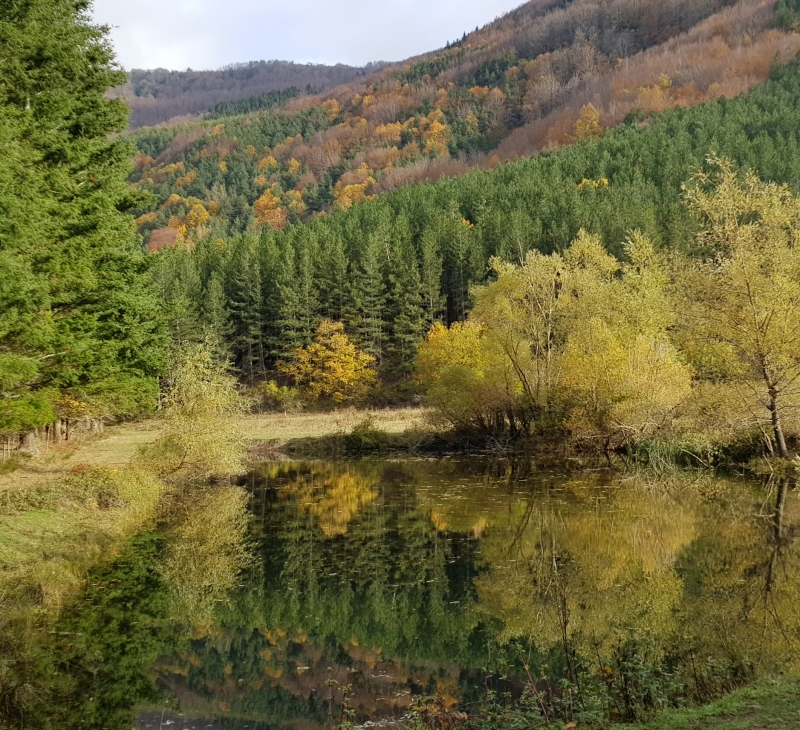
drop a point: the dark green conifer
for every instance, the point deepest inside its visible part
(76, 314)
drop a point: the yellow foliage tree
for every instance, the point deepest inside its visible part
(573, 341)
(332, 109)
(331, 367)
(269, 211)
(588, 124)
(471, 386)
(202, 411)
(749, 288)
(197, 216)
(268, 163)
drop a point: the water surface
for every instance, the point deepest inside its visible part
(382, 580)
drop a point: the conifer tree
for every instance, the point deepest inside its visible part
(295, 298)
(368, 295)
(216, 318)
(78, 317)
(177, 281)
(433, 302)
(246, 305)
(332, 275)
(406, 316)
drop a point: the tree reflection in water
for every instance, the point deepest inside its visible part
(412, 577)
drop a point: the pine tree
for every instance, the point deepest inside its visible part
(405, 313)
(296, 301)
(332, 277)
(433, 302)
(463, 262)
(177, 281)
(216, 318)
(368, 295)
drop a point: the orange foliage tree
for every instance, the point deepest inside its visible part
(268, 211)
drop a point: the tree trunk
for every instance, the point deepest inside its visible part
(28, 445)
(780, 439)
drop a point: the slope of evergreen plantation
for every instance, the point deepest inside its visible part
(390, 267)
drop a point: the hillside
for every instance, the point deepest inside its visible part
(391, 267)
(159, 95)
(541, 77)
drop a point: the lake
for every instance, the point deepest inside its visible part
(320, 592)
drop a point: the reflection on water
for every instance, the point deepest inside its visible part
(395, 579)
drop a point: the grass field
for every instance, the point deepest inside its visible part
(280, 427)
(115, 447)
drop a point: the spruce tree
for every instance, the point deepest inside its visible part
(216, 319)
(76, 315)
(406, 316)
(368, 295)
(246, 305)
(177, 282)
(431, 267)
(332, 275)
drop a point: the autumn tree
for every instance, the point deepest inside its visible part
(588, 124)
(331, 367)
(748, 288)
(202, 410)
(574, 342)
(471, 385)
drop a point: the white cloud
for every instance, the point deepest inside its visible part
(201, 34)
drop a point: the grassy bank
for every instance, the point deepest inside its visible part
(768, 706)
(67, 508)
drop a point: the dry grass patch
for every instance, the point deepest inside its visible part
(280, 427)
(112, 449)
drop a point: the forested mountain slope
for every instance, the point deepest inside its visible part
(390, 267)
(159, 95)
(545, 75)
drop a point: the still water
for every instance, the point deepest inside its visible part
(382, 580)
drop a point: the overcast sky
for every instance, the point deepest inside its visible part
(207, 34)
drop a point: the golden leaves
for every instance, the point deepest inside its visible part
(588, 124)
(331, 367)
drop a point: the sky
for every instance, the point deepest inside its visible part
(207, 34)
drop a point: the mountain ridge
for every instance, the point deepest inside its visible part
(157, 96)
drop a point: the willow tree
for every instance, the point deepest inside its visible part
(203, 435)
(76, 316)
(749, 288)
(575, 341)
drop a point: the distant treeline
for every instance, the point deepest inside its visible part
(390, 267)
(158, 95)
(258, 103)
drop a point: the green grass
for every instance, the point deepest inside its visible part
(768, 706)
